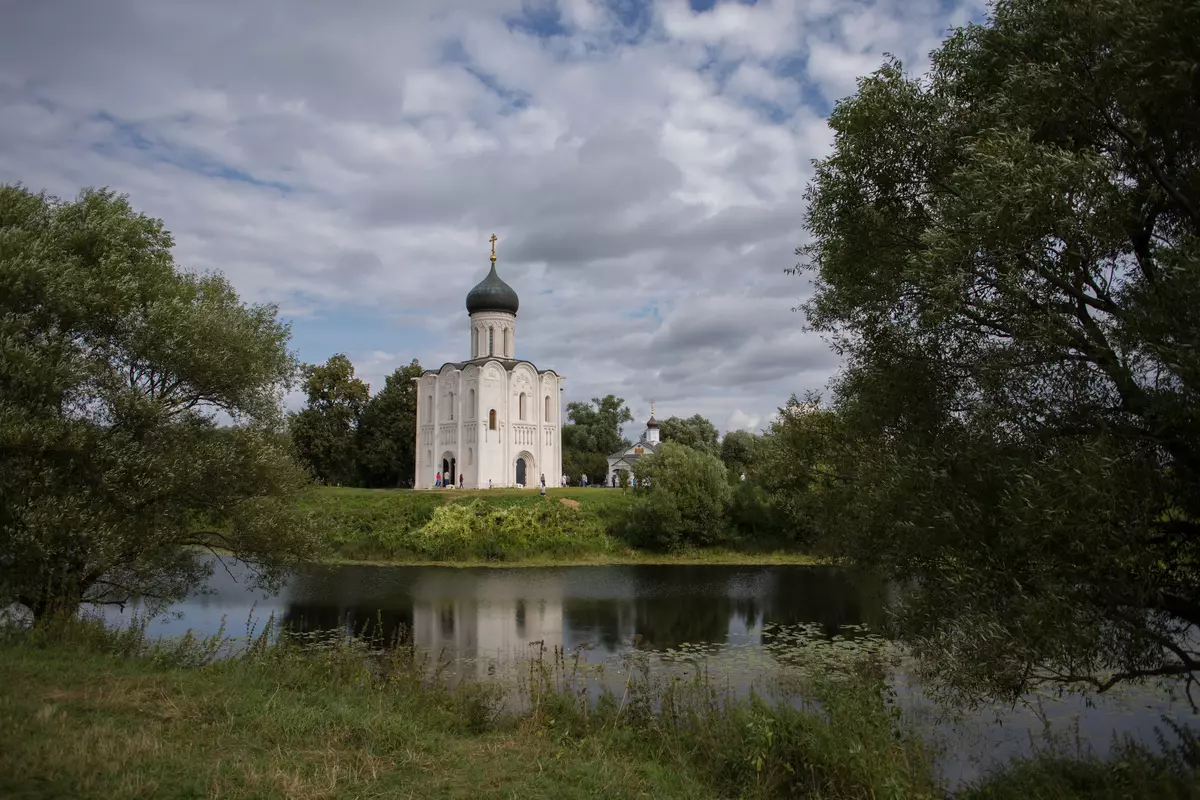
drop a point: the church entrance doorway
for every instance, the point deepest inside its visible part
(527, 474)
(449, 470)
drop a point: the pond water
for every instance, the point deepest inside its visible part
(738, 623)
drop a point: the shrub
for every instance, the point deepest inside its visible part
(698, 492)
(653, 522)
(474, 530)
(753, 517)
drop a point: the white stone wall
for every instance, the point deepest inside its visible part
(454, 415)
(503, 329)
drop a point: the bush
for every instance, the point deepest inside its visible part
(752, 516)
(474, 530)
(653, 522)
(687, 497)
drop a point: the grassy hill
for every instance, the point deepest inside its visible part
(492, 526)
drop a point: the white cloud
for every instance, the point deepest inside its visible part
(740, 420)
(644, 167)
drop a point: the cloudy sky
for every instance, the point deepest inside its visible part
(642, 163)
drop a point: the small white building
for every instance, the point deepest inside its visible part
(493, 418)
(623, 460)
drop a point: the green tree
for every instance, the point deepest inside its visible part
(687, 495)
(577, 464)
(387, 431)
(1006, 251)
(695, 432)
(595, 427)
(325, 431)
(113, 369)
(739, 450)
(793, 468)
(593, 433)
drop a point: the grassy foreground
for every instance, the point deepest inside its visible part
(86, 713)
(497, 526)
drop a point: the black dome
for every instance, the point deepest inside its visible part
(492, 294)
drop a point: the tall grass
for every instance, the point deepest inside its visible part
(90, 712)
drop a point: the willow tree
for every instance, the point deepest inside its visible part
(1006, 252)
(115, 476)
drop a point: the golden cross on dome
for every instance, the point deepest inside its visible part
(493, 241)
(652, 408)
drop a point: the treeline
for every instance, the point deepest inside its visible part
(346, 436)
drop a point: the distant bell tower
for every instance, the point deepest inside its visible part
(492, 307)
(652, 426)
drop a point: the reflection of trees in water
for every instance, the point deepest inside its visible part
(664, 623)
(358, 620)
(664, 606)
(668, 606)
(602, 622)
(748, 610)
(832, 598)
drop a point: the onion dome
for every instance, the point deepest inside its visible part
(492, 294)
(652, 422)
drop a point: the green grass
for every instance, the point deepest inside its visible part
(94, 714)
(503, 526)
(90, 713)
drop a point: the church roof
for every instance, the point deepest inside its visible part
(492, 294)
(507, 363)
(625, 451)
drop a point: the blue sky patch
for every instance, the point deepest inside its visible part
(128, 135)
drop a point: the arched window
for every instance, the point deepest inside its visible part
(470, 456)
(428, 457)
(546, 418)
(478, 341)
(471, 409)
(492, 419)
(508, 342)
(429, 408)
(452, 406)
(491, 341)
(521, 406)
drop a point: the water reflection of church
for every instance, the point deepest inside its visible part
(492, 619)
(491, 614)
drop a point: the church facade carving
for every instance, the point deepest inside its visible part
(494, 419)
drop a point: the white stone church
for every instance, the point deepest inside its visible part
(494, 419)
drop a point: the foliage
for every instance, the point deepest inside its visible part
(595, 427)
(577, 463)
(1006, 251)
(792, 468)
(685, 500)
(695, 432)
(387, 431)
(379, 525)
(324, 431)
(653, 522)
(461, 531)
(113, 368)
(594, 432)
(753, 518)
(739, 451)
(1129, 770)
(396, 525)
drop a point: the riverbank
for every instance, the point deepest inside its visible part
(715, 556)
(509, 527)
(95, 714)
